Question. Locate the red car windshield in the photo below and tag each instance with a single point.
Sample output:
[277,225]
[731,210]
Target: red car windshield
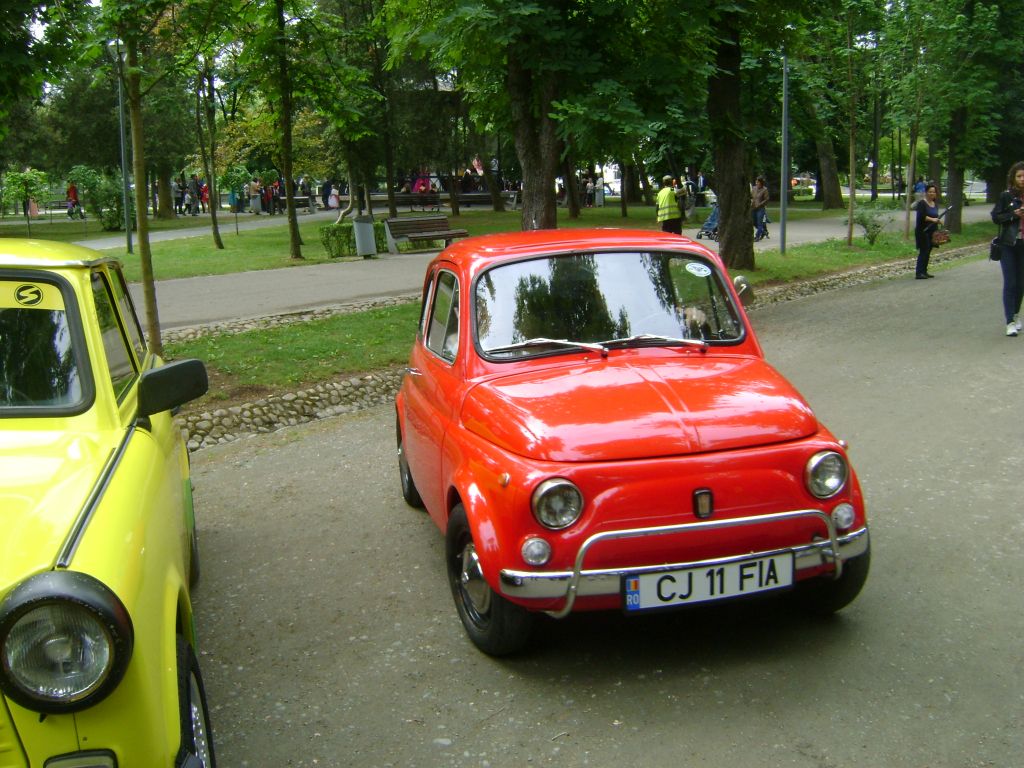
[522,308]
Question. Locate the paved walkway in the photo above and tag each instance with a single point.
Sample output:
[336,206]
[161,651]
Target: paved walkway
[196,301]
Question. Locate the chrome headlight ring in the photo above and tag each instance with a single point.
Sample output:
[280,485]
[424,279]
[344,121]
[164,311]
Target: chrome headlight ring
[65,642]
[826,474]
[556,503]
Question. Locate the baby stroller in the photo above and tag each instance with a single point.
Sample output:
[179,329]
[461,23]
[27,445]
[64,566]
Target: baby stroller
[709,228]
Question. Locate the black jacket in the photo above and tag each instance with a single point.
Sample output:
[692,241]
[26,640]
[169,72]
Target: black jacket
[1003,215]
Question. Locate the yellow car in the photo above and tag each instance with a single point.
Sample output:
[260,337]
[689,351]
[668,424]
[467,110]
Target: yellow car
[97,534]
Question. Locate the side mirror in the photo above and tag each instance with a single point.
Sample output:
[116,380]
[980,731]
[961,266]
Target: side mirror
[743,290]
[164,388]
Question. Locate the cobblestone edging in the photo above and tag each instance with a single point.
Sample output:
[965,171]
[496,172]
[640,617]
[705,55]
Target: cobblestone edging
[224,425]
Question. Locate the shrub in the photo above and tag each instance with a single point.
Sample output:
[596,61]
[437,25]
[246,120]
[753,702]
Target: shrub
[340,240]
[872,218]
[108,203]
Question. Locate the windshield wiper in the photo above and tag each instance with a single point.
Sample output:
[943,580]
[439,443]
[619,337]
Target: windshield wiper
[656,339]
[540,341]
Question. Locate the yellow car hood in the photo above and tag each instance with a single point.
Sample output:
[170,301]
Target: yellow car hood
[45,479]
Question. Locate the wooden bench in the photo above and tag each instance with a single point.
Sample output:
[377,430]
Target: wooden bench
[511,198]
[422,200]
[418,229]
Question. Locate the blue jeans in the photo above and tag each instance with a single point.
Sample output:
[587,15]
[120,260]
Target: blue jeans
[1012,264]
[759,228]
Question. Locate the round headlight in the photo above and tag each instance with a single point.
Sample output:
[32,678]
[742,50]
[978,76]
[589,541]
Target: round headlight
[826,474]
[557,503]
[65,642]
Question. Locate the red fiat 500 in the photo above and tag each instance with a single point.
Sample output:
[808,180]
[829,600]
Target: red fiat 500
[589,418]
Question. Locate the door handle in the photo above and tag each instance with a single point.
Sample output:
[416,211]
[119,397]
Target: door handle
[414,371]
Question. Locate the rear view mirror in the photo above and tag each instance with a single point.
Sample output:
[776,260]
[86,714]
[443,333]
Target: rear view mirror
[743,290]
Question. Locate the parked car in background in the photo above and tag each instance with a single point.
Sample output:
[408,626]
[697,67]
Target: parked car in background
[99,555]
[589,418]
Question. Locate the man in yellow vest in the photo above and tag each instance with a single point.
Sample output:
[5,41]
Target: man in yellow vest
[669,215]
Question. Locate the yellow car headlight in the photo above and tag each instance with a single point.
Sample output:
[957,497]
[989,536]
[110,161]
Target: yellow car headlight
[65,642]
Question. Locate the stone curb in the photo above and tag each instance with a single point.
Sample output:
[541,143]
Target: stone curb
[225,425]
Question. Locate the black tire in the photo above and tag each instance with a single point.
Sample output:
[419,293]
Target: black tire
[496,626]
[824,596]
[409,492]
[193,560]
[196,750]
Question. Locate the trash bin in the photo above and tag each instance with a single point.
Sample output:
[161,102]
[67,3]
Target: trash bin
[366,243]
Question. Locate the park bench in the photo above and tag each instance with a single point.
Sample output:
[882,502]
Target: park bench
[421,200]
[416,229]
[484,198]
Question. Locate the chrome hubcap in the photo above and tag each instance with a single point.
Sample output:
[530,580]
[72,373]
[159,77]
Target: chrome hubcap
[474,586]
[199,735]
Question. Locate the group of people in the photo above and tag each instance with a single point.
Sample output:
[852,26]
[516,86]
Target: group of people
[191,196]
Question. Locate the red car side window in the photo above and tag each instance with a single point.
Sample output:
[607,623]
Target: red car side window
[443,324]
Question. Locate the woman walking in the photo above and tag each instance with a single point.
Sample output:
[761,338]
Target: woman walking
[1009,215]
[927,222]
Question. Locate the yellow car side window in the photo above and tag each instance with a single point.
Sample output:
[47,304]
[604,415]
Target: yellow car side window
[119,357]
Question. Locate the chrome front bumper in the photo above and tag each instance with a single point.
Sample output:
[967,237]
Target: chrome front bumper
[579,582]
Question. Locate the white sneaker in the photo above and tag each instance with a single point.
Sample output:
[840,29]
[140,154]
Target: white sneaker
[1016,322]
[1011,328]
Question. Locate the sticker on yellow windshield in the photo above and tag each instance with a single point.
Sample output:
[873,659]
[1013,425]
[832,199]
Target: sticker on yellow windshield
[15,295]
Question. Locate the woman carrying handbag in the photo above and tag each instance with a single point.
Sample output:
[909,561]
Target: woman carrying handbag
[1009,215]
[928,219]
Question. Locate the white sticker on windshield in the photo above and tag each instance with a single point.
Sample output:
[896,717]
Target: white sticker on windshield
[698,270]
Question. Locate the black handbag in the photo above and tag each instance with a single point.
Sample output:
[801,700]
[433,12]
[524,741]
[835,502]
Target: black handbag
[994,251]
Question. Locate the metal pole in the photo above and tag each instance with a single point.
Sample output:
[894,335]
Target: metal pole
[786,176]
[124,155]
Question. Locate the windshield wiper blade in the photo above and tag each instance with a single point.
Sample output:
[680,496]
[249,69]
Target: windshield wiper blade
[656,338]
[540,341]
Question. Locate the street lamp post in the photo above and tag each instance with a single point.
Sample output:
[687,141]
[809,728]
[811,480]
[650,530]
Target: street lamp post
[784,186]
[115,46]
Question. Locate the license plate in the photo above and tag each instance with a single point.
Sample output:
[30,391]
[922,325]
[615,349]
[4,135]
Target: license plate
[685,586]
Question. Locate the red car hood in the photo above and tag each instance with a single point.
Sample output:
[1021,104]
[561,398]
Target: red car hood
[616,409]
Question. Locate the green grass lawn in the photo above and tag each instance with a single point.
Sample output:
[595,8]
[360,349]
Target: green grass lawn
[293,356]
[268,247]
[255,363]
[62,229]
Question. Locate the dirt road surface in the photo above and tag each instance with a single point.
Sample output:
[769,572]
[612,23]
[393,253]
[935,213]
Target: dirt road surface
[329,638]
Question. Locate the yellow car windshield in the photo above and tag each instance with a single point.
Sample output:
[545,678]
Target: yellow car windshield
[38,366]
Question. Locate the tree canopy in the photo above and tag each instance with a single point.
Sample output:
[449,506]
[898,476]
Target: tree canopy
[524,93]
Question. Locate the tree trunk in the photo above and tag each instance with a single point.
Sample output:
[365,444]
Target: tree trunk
[908,202]
[624,185]
[453,194]
[572,189]
[284,81]
[165,205]
[205,110]
[497,201]
[530,98]
[954,194]
[646,193]
[853,130]
[343,212]
[732,177]
[133,87]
